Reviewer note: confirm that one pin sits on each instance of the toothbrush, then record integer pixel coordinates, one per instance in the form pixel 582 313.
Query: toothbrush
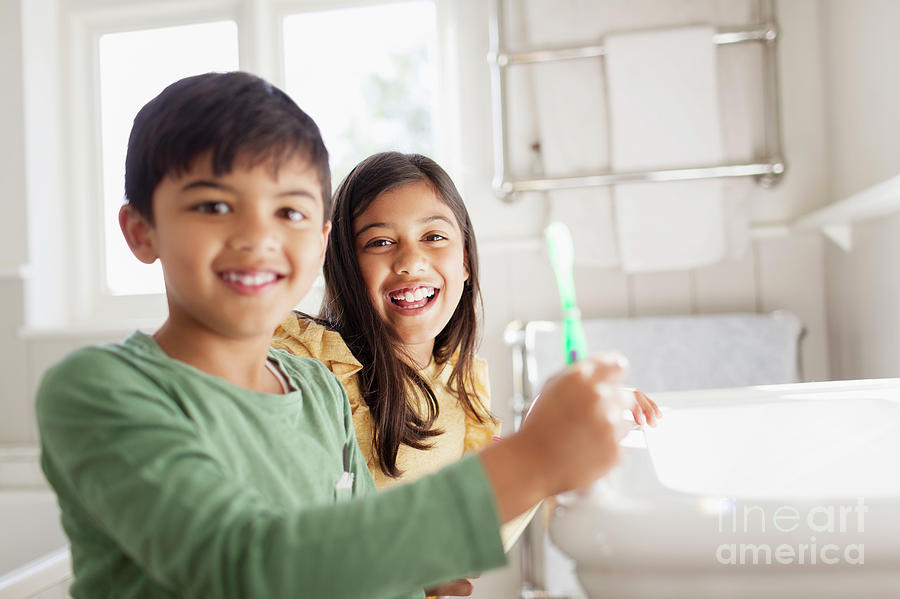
pixel 562 259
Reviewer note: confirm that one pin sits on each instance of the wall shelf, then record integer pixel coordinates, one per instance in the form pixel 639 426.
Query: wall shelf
pixel 836 220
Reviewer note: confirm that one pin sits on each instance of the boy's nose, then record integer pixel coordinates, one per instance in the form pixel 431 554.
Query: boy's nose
pixel 252 235
pixel 410 261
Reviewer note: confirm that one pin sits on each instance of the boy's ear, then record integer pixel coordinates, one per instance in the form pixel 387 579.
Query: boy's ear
pixel 138 234
pixel 326 234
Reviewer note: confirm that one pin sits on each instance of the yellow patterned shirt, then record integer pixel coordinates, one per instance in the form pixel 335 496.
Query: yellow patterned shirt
pixel 462 433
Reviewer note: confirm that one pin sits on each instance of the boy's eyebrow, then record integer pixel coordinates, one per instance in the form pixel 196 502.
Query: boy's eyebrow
pixel 298 192
pixel 213 184
pixel 204 183
pixel 421 221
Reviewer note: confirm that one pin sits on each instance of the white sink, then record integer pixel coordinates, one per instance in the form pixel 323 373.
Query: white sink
pixel 780 491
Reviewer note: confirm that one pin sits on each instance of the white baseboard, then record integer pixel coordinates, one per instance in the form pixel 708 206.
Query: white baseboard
pixel 37 578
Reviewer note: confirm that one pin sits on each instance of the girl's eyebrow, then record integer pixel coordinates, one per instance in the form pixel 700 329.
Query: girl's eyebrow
pixel 421 221
pixel 429 219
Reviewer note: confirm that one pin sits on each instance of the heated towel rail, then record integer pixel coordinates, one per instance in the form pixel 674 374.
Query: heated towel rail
pixel 767 171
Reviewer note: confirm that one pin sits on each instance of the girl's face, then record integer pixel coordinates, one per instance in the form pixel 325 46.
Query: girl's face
pixel 411 253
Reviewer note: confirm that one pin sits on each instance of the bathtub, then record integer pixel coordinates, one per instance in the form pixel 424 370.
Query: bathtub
pixel 777 491
pixel 34 555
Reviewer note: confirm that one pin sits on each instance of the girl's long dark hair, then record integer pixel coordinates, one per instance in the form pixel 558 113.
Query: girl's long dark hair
pixel 389 385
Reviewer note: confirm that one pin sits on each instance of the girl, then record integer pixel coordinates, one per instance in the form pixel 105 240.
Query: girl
pixel 399 320
pixel 399 317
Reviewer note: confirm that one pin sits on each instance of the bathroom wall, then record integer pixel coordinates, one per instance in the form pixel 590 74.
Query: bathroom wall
pixel 15 424
pixel 860 49
pixel 29 176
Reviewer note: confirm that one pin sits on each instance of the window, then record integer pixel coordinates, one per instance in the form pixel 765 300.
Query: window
pixel 134 67
pixel 366 76
pixel 365 71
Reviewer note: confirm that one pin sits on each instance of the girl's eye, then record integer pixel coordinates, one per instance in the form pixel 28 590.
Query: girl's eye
pixel 213 208
pixel 378 243
pixel 295 216
pixel 434 237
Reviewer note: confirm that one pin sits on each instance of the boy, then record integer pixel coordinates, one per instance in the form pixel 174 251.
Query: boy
pixel 199 463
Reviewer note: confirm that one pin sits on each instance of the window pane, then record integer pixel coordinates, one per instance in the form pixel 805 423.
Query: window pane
pixel 134 67
pixel 367 77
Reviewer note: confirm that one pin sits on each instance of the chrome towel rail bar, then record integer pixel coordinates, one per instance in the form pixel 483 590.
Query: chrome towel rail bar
pixel 767 171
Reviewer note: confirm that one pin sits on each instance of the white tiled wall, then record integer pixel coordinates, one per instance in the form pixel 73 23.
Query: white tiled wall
pixel 862 96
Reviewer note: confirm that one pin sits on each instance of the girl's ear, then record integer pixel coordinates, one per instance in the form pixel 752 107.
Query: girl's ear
pixel 466 264
pixel 138 234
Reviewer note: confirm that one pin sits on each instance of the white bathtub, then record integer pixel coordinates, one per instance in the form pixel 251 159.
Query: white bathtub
pixel 780 491
pixel 34 556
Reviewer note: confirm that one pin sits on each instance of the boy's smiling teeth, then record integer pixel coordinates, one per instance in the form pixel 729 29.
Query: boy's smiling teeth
pixel 249 279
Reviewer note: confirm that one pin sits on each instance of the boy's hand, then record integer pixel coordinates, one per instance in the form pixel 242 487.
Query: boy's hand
pixel 645 410
pixel 572 428
pixel 568 440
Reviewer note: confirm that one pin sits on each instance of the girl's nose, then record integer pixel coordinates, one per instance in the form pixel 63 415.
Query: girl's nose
pixel 410 261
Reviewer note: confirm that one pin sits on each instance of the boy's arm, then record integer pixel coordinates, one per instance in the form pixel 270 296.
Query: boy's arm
pixel 134 464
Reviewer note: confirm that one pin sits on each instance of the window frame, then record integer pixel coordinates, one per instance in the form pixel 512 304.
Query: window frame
pixel 260 50
pixel 85 23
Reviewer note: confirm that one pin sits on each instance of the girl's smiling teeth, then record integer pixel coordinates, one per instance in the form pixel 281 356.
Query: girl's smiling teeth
pixel 412 297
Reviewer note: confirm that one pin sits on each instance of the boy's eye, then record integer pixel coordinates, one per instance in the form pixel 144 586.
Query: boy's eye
pixel 213 208
pixel 292 215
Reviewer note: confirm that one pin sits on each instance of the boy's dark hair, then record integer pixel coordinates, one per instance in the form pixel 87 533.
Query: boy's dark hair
pixel 227 114
pixel 388 383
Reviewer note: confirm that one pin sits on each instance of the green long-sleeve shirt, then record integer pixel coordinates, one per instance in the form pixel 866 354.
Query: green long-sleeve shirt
pixel 176 483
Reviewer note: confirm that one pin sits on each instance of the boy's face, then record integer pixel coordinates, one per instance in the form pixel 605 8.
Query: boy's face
pixel 239 250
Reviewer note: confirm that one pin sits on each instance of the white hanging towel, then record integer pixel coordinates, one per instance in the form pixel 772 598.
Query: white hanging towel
pixel 664 113
pixel 572 129
pixel 571 119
